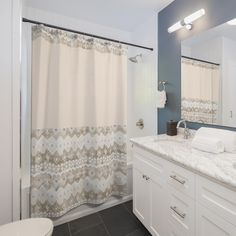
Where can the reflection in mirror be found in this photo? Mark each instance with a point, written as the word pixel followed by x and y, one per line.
pixel 208 77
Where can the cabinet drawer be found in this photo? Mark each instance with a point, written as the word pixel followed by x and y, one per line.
pixel 217 198
pixel 148 168
pixel 210 224
pixel 181 212
pixel 181 179
pixel 173 230
pixel 148 156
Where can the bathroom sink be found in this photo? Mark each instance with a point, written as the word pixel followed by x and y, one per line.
pixel 169 141
pixel 234 165
pixel 176 142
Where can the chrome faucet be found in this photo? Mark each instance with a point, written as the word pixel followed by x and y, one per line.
pixel 186 130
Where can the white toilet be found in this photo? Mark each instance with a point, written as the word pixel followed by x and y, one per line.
pixel 28 227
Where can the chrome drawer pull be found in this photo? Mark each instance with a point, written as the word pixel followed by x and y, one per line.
pixel 181 181
pixel 182 215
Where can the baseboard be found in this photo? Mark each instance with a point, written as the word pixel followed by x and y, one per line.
pixel 87 210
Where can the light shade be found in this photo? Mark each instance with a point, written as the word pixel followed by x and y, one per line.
pixel 187 21
pixel 232 22
pixel 175 27
pixel 196 15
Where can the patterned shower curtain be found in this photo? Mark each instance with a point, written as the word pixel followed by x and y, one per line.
pixel 78 121
pixel 200 91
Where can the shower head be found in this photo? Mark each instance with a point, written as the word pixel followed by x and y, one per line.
pixel 134 59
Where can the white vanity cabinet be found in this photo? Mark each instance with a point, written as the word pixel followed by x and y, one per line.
pixel 208 223
pixel 216 209
pixel 149 193
pixel 173 201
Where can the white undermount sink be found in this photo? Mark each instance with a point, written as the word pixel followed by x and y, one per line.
pixel 169 140
pixel 234 165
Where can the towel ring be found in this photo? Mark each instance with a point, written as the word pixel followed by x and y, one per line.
pixel 163 83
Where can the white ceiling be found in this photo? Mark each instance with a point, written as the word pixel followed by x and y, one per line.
pixel 120 14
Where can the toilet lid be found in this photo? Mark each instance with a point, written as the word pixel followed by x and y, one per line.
pixel 28 227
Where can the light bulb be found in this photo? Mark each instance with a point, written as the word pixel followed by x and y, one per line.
pixel 191 18
pixel 175 27
pixel 232 22
pixel 187 22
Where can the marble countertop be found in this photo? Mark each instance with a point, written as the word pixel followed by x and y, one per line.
pixel 220 167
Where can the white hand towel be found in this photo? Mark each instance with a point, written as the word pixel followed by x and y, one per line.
pixel 161 99
pixel 227 137
pixel 208 144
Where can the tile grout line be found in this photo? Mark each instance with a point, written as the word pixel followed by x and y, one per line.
pixel 104 224
pixel 126 208
pixel 133 216
pixel 136 230
pixel 68 225
pixel 86 228
pixel 130 212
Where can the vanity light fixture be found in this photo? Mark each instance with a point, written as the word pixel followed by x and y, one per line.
pixel 232 22
pixel 175 27
pixel 187 22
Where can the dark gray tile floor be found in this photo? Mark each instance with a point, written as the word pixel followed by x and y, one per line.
pixel 115 221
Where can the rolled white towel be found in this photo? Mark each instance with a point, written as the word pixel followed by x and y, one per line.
pixel 208 144
pixel 161 99
pixel 227 137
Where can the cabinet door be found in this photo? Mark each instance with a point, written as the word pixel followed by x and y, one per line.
pixel 173 230
pixel 157 206
pixel 140 196
pixel 209 223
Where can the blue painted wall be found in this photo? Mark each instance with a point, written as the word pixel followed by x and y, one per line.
pixel 169 47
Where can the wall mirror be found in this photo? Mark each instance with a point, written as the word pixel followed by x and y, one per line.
pixel 208 76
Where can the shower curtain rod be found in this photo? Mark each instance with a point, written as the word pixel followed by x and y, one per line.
pixel 195 59
pixel 86 34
